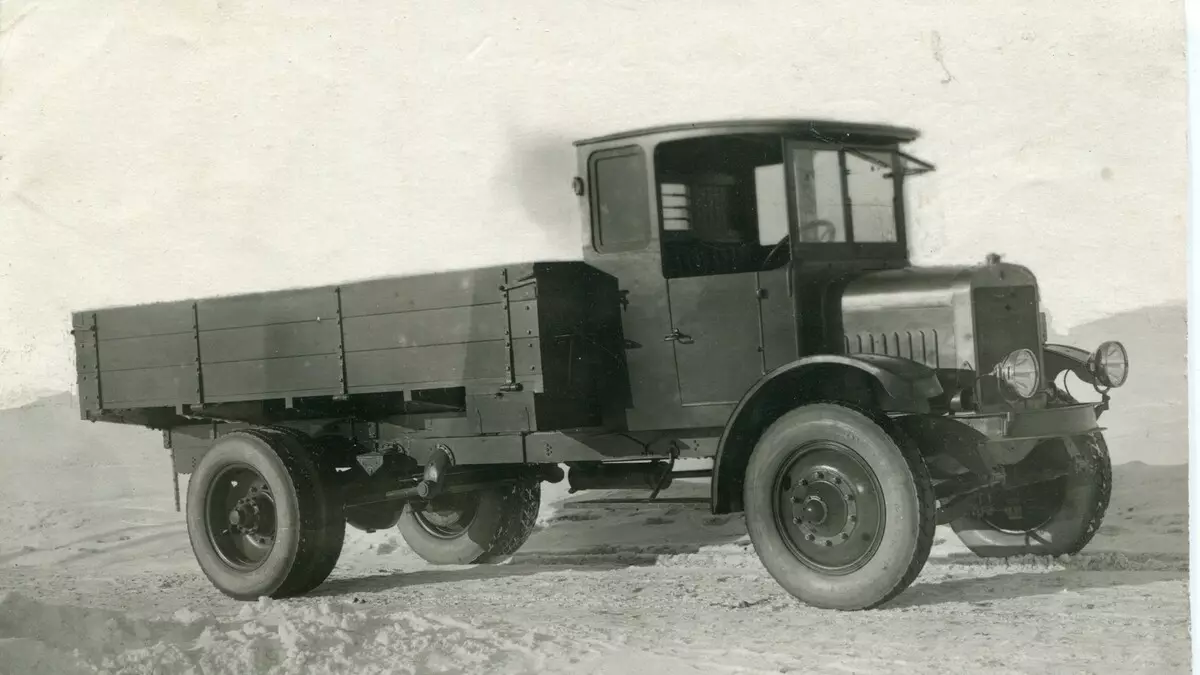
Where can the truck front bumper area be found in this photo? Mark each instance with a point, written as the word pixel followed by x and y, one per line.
pixel 1029 425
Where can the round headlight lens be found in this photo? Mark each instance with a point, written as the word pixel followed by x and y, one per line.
pixel 1110 364
pixel 1021 372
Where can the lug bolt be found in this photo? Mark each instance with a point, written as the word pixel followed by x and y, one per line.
pixel 820 475
pixel 845 536
pixel 828 543
pixel 810 536
pixel 796 521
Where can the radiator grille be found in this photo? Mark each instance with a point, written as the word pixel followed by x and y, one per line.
pixel 1006 319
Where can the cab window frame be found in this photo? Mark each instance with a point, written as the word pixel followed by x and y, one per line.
pixel 850 250
pixel 638 205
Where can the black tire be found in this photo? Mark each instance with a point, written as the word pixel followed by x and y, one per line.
pixel 332 536
pixel 293 503
pixel 821 482
pixel 492 524
pixel 1058 517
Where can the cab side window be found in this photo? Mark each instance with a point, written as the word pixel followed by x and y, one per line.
pixel 621 205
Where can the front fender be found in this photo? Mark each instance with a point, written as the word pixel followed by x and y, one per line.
pixel 884 383
pixel 1065 357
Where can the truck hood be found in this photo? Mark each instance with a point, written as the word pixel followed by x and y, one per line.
pixel 928 287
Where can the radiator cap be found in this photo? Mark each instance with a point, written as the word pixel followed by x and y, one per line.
pixel 993 258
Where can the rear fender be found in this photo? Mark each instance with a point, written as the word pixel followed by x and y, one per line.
pixel 886 384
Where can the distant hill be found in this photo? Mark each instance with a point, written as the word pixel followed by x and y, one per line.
pixel 1148 418
pixel 47 451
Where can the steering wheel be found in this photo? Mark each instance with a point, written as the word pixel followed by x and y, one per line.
pixel 766 263
pixel 819 230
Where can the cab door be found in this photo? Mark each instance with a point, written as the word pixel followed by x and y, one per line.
pixel 717 333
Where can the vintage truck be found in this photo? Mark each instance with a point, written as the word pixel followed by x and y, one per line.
pixel 745 294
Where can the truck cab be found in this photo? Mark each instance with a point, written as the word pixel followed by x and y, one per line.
pixel 727 239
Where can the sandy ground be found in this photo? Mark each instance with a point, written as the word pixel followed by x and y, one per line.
pixel 96 575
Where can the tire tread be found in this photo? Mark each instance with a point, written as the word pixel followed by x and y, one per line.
pixel 331 535
pixel 520 512
pixel 926 498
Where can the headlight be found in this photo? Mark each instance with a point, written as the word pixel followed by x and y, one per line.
pixel 1021 372
pixel 1109 364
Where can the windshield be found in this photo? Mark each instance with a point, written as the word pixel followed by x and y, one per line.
pixel 858 209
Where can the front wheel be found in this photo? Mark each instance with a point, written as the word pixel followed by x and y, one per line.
pixel 477 527
pixel 840 507
pixel 1057 517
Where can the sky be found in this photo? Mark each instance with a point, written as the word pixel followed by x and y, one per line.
pixel 165 150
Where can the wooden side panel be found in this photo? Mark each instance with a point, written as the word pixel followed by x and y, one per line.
pixel 150 387
pixel 444 329
pixel 157 319
pixel 440 330
pixel 155 351
pixel 270 345
pixel 258 343
pixel 429 291
pixel 268 309
pixel 441 364
pixel 424 328
pixel 145 356
pixel 272 378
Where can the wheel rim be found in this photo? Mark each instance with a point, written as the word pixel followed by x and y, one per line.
pixel 449 516
pixel 240 517
pixel 1031 507
pixel 828 507
pixel 1035 506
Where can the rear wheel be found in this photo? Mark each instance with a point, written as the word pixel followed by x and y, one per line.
pixel 839 506
pixel 263 519
pixel 483 526
pixel 333 531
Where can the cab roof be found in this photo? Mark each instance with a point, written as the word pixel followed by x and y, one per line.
pixel 810 129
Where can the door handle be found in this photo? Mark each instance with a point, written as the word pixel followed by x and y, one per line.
pixel 676 336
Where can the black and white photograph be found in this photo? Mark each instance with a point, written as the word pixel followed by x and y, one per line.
pixel 608 337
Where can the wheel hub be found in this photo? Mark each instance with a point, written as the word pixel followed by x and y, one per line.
pixel 250 514
pixel 448 516
pixel 241 517
pixel 814 511
pixel 829 508
pixel 824 508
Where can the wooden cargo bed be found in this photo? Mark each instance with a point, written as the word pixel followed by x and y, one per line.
pixel 545 327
